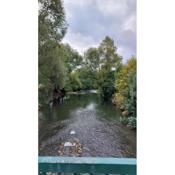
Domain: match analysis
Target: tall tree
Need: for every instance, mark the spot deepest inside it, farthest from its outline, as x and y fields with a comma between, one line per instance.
x=109, y=58
x=52, y=28
x=52, y=23
x=110, y=61
x=92, y=59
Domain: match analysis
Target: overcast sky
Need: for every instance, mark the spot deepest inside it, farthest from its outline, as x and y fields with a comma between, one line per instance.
x=91, y=20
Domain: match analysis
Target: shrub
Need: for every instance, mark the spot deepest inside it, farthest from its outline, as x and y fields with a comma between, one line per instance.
x=131, y=122
x=118, y=100
x=123, y=120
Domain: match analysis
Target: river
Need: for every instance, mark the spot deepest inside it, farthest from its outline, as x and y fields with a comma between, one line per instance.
x=82, y=126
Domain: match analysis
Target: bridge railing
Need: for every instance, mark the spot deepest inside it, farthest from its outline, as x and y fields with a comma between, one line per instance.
x=90, y=165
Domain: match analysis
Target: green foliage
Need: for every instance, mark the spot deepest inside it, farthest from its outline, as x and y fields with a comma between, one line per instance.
x=123, y=120
x=125, y=86
x=52, y=71
x=52, y=24
x=52, y=66
x=109, y=59
x=126, y=95
x=52, y=27
x=132, y=122
x=72, y=58
x=73, y=82
x=92, y=59
x=106, y=87
x=132, y=94
x=88, y=78
x=109, y=63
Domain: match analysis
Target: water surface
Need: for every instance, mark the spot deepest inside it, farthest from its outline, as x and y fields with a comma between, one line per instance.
x=95, y=127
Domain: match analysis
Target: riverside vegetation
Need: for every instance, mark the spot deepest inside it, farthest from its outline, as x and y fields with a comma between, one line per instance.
x=62, y=69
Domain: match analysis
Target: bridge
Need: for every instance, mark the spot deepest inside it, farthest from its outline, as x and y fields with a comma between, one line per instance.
x=88, y=165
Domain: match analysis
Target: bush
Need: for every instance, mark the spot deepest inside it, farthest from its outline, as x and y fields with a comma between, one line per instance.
x=132, y=122
x=118, y=100
x=132, y=95
x=125, y=96
x=123, y=120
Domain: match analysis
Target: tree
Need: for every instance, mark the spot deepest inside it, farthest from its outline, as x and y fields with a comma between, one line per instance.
x=72, y=58
x=88, y=69
x=110, y=62
x=92, y=59
x=87, y=78
x=125, y=86
x=52, y=28
x=52, y=24
x=126, y=97
x=73, y=83
x=108, y=54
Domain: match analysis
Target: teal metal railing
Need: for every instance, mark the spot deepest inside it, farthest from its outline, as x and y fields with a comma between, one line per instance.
x=91, y=165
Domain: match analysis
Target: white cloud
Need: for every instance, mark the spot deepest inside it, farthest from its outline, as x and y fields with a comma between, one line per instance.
x=91, y=20
x=79, y=3
x=79, y=41
x=112, y=7
x=130, y=23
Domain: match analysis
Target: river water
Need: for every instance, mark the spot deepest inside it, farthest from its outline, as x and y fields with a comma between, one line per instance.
x=82, y=126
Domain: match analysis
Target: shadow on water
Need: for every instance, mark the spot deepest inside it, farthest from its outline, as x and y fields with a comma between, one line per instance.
x=95, y=126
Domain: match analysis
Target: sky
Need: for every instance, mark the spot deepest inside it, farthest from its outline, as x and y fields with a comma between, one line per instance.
x=89, y=21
